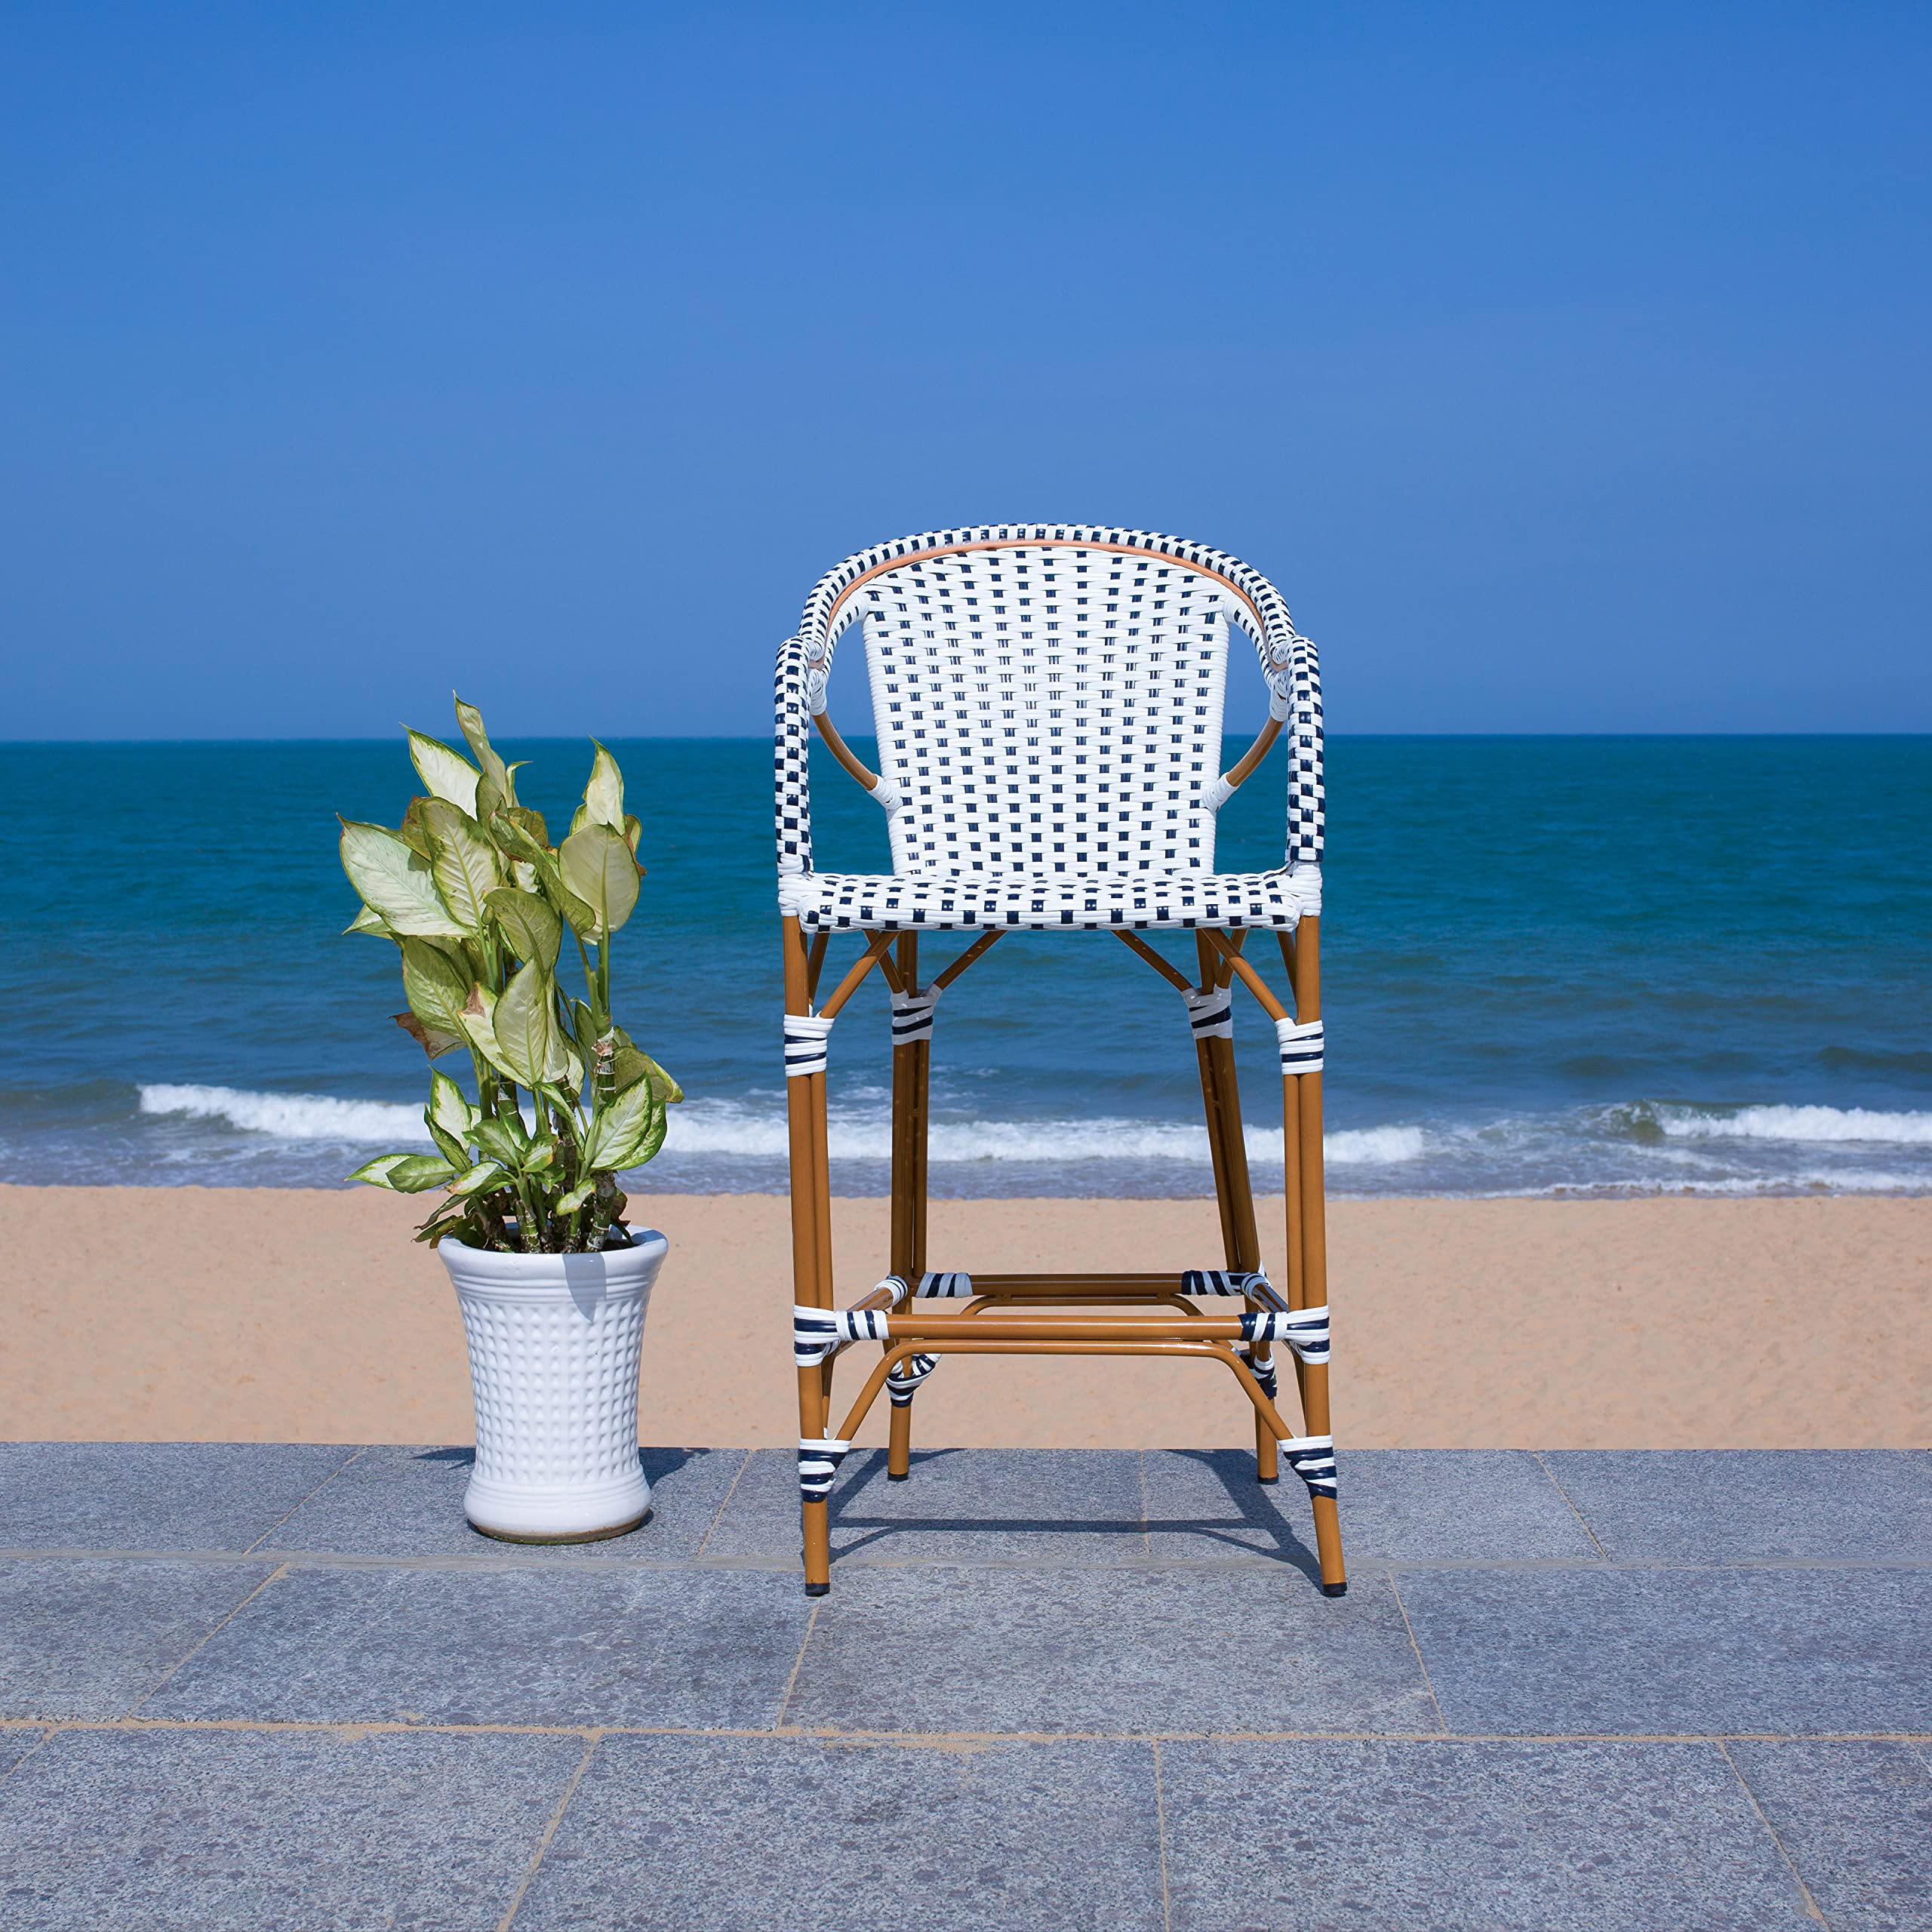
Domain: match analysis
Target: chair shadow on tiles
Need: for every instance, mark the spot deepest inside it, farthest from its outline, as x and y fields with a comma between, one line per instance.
x=1259, y=1519
x=979, y=1521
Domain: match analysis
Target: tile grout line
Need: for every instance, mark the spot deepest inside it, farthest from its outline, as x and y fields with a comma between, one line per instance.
x=1146, y=1526
x=1791, y=1864
x=45, y=1738
x=1160, y=1837
x=1429, y=1682
x=550, y=1832
x=1913, y=1740
x=355, y=1455
x=161, y=1683
x=1584, y=1521
x=489, y=1562
x=719, y=1517
x=798, y=1663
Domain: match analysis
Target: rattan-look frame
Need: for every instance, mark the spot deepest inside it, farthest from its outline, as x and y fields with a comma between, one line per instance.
x=1009, y=1314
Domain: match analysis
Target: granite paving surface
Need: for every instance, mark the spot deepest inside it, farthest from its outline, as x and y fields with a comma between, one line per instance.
x=256, y=1685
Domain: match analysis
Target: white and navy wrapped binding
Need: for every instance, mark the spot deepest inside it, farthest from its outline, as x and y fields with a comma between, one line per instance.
x=818, y=1463
x=818, y=1333
x=1211, y=1014
x=1305, y=1329
x=1313, y=1458
x=958, y=1286
x=902, y=1378
x=1301, y=1045
x=805, y=1037
x=912, y=1016
x=1225, y=1281
x=1262, y=1367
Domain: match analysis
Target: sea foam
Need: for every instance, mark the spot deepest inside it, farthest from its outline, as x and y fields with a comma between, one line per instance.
x=732, y=1129
x=1796, y=1124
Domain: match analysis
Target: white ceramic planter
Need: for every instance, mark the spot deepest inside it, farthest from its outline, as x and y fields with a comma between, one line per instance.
x=554, y=1342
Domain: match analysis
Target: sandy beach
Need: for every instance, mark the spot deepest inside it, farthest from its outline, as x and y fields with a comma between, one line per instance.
x=280, y=1315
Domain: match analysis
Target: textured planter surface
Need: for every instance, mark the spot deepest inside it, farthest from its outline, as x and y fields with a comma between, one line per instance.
x=554, y=1342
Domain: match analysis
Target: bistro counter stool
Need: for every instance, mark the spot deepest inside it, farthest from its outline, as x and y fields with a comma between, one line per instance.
x=1047, y=698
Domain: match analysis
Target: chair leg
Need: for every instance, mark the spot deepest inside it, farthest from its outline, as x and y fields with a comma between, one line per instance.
x=1234, y=1194
x=811, y=1252
x=910, y=1069
x=1302, y=1119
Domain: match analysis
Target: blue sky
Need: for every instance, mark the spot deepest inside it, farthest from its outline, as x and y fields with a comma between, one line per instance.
x=1566, y=366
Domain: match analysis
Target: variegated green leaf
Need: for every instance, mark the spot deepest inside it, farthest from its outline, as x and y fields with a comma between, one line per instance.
x=471, y=722
x=524, y=1034
x=394, y=882
x=367, y=921
x=604, y=796
x=597, y=868
x=480, y=1178
x=435, y=986
x=405, y=1173
x=504, y=1137
x=449, y=1108
x=464, y=863
x=478, y=1023
x=529, y=924
x=446, y=774
x=632, y=1063
x=568, y=1204
x=618, y=1126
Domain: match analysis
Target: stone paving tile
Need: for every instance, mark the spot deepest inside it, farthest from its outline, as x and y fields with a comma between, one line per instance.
x=162, y=1496
x=1448, y=1837
x=1785, y=1651
x=520, y=1645
x=235, y=1831
x=1855, y=1820
x=936, y=1649
x=88, y=1637
x=1493, y=1505
x=14, y=1745
x=672, y=1835
x=1714, y=1506
x=406, y=1500
x=1028, y=1505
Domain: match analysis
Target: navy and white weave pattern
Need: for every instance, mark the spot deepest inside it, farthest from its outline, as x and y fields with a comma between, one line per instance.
x=1048, y=702
x=806, y=1034
x=1305, y=1329
x=1301, y=1045
x=913, y=1016
x=1211, y=1014
x=1313, y=1458
x=958, y=1285
x=818, y=1464
x=1225, y=1281
x=818, y=1333
x=903, y=1379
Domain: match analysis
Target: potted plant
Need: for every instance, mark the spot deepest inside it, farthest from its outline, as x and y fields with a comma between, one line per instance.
x=552, y=1282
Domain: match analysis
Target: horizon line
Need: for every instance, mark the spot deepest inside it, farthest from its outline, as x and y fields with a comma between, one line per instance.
x=765, y=737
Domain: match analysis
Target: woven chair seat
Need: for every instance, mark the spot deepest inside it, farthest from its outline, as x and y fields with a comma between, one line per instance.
x=840, y=901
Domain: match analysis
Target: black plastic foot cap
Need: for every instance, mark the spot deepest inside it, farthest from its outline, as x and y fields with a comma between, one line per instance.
x=906, y=1477
x=818, y=1589
x=1334, y=1589
x=1268, y=1481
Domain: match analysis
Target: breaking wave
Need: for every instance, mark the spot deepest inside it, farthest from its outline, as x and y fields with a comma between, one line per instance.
x=1794, y=1123
x=731, y=1129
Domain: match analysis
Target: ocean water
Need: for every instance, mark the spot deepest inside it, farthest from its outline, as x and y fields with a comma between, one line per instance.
x=1566, y=966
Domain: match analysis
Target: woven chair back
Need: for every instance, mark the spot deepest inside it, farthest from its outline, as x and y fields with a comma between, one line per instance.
x=1047, y=699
